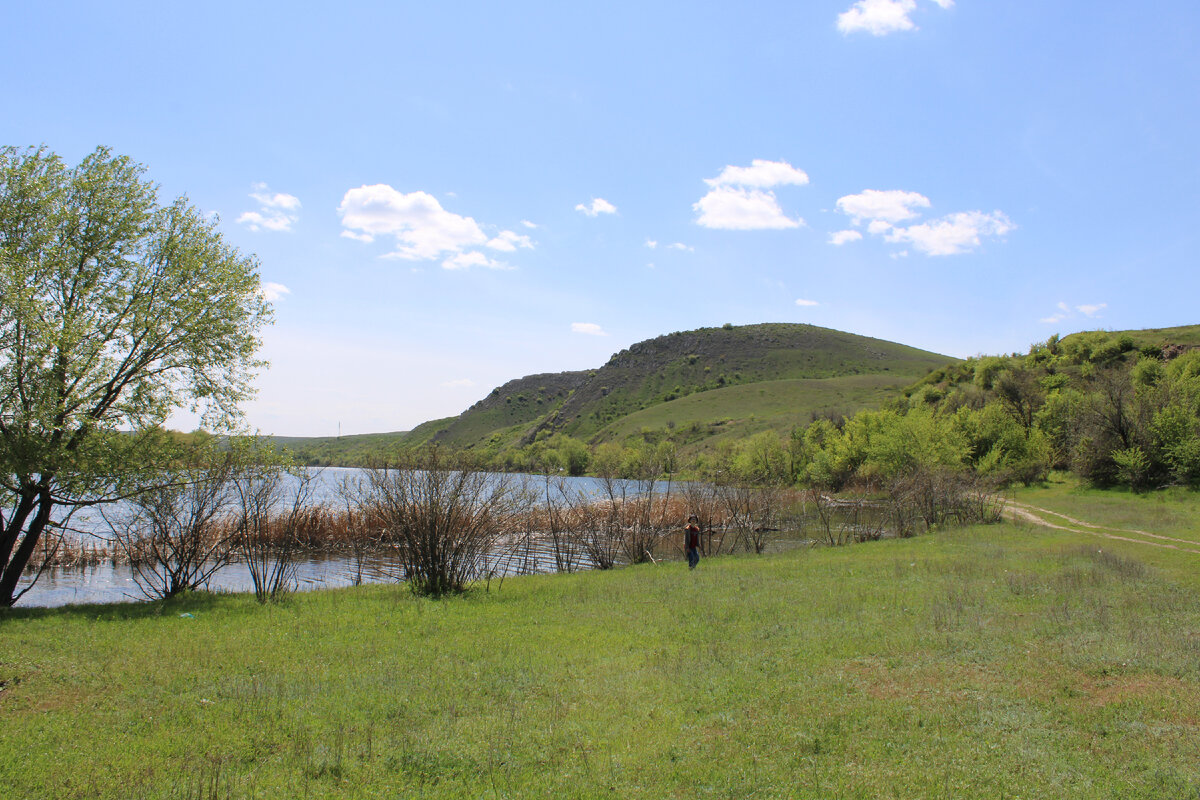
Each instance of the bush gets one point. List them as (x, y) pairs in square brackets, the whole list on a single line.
[(444, 516)]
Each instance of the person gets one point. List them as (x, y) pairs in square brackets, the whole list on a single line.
[(692, 541)]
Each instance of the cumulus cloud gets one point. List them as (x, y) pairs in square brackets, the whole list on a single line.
[(1091, 311), (473, 258), (598, 206), (1063, 312), (588, 328), (651, 244), (844, 237), (733, 209), (508, 241), (739, 199), (531, 225), (890, 206), (878, 17), (276, 211), (881, 17), (761, 174), (953, 234), (807, 303), (273, 291), (422, 229), (681, 246)]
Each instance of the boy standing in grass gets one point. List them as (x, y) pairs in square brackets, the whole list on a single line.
[(692, 541)]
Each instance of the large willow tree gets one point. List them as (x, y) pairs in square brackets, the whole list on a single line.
[(114, 311)]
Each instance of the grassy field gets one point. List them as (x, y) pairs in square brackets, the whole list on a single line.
[(1170, 515), (1006, 661), (767, 405)]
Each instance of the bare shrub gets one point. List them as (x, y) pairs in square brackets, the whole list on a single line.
[(174, 535), (595, 526), (443, 515), (937, 497), (267, 525)]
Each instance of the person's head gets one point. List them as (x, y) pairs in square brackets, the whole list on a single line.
[(693, 518)]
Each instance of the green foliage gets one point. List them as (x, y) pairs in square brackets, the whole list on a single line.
[(114, 311), (1133, 466)]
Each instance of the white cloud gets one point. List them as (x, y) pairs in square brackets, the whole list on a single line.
[(474, 258), (844, 237), (807, 303), (760, 174), (423, 230), (739, 199), (460, 383), (681, 246), (1091, 311), (881, 17), (878, 17), (953, 234), (276, 212), (890, 206), (530, 225), (287, 202), (509, 241), (1064, 311), (651, 244), (599, 206), (273, 291), (588, 328), (733, 209)]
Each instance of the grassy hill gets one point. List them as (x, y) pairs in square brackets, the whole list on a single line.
[(703, 387), (1183, 335), (704, 420), (678, 365), (720, 383)]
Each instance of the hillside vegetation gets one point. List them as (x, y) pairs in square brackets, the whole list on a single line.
[(718, 383)]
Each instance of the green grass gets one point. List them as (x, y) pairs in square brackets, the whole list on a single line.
[(1004, 661), (766, 405), (1173, 512), (1183, 334)]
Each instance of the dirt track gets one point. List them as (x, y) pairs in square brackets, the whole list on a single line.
[(1048, 519)]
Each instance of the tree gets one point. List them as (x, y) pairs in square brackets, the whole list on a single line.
[(114, 311)]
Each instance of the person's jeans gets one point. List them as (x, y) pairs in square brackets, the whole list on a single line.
[(693, 557)]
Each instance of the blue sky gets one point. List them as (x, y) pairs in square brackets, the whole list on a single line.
[(445, 196)]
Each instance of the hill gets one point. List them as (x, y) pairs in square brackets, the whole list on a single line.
[(698, 386), (718, 383)]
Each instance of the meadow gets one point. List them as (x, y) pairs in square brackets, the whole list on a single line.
[(997, 661)]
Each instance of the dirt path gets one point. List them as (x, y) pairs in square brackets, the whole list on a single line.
[(1041, 516)]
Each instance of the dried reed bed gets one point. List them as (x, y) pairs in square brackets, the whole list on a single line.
[(635, 528)]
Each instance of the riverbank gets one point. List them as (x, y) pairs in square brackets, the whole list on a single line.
[(991, 661)]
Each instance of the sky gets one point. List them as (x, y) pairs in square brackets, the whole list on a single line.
[(446, 196)]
